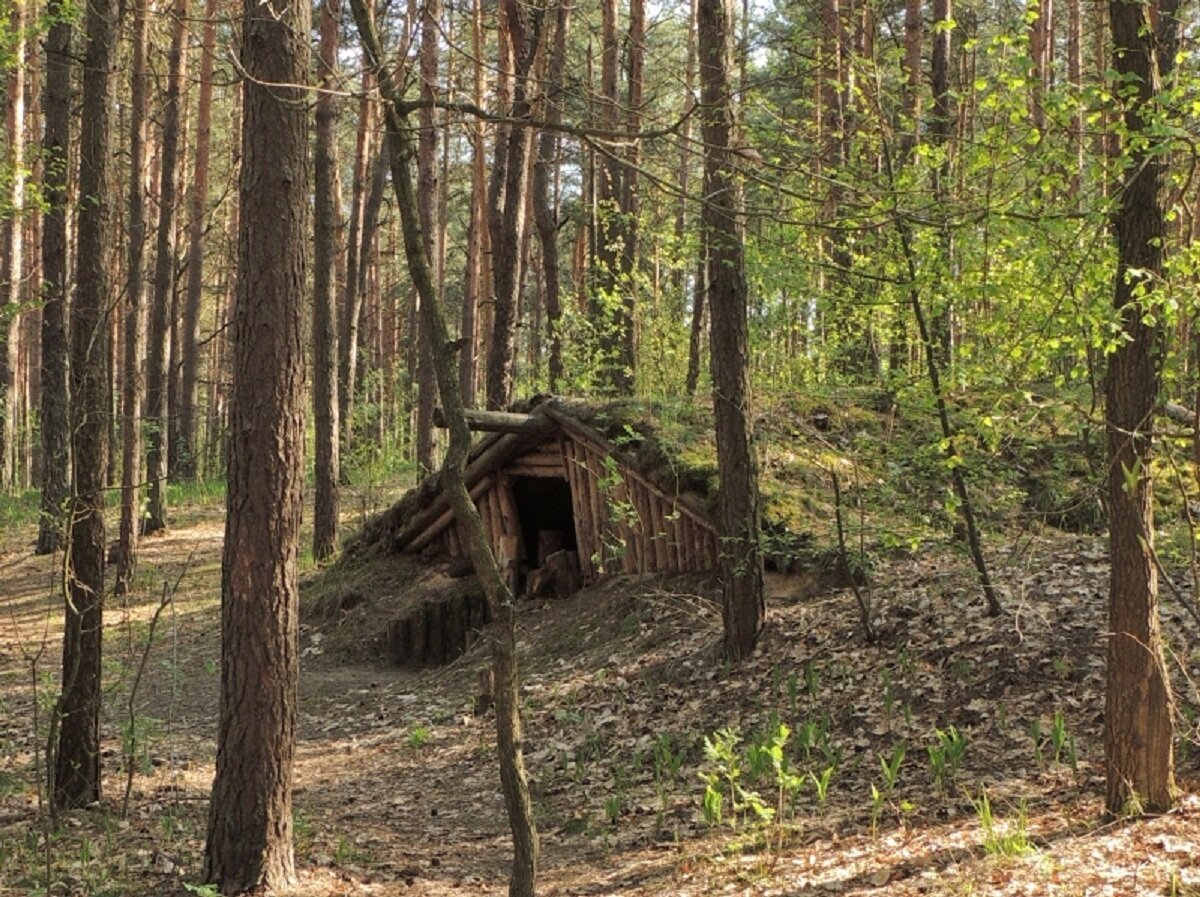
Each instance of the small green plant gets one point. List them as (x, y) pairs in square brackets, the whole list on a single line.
[(612, 809), (1002, 839), (202, 890), (1063, 742), (891, 767), (793, 690), (418, 737), (812, 680), (1035, 732), (668, 759), (722, 782), (876, 808), (821, 782), (807, 737), (346, 853), (946, 756)]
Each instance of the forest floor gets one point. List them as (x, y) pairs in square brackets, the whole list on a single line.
[(396, 783)]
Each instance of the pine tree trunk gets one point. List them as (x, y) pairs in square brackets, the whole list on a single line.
[(250, 819), (630, 203), (135, 289), (77, 760), (741, 559), (477, 230), (189, 393), (524, 31), (545, 213), (11, 386), (327, 210), (55, 431), (427, 194), (351, 294), (162, 300), (1138, 734)]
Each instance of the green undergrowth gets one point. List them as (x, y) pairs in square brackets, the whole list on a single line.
[(1031, 459)]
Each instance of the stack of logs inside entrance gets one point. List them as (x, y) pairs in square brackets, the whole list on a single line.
[(623, 522)]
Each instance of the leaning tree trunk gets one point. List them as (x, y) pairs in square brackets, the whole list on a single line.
[(327, 208), (250, 817), (55, 429), (157, 371), (131, 418), (77, 760), (1138, 736), (514, 781), (741, 558)]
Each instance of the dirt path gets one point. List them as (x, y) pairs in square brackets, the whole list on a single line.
[(396, 780)]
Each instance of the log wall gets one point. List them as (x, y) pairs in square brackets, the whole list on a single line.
[(623, 522)]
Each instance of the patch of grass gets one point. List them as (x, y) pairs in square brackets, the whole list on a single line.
[(19, 510)]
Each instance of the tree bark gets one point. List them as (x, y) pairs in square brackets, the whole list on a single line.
[(77, 760), (327, 226), (250, 819), (1138, 735), (135, 289), (524, 31), (741, 558), (186, 438), (427, 195), (514, 782), (11, 386), (56, 441), (351, 294), (545, 213), (477, 230), (161, 303)]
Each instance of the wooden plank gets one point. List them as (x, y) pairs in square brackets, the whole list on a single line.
[(510, 546), (599, 514), (673, 523), (580, 508), (685, 544), (660, 534)]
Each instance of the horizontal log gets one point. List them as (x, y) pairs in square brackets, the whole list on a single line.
[(499, 421)]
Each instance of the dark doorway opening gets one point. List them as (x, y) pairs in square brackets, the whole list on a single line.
[(547, 517)]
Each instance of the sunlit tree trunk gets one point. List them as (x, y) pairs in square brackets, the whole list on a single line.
[(11, 275), (327, 210), (351, 306), (135, 288), (545, 210), (162, 299), (249, 845), (189, 394), (477, 271), (741, 559), (427, 195), (524, 32), (1138, 733)]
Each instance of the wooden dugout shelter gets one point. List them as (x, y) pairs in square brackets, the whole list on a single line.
[(546, 482)]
